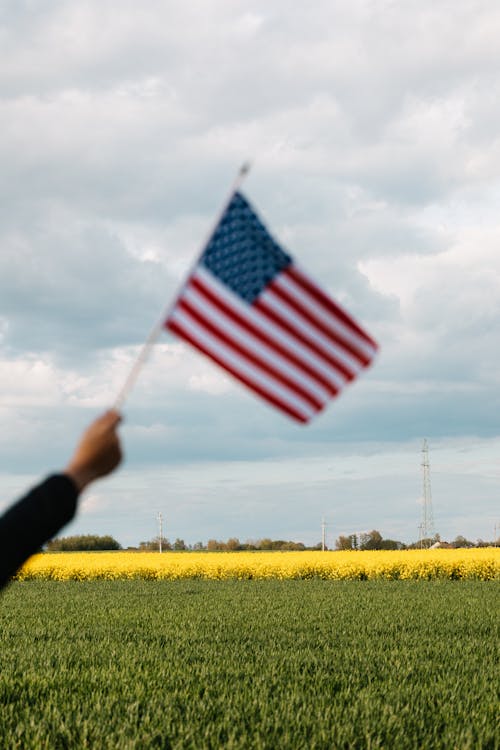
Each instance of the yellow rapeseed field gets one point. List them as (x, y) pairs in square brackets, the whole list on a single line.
[(479, 564)]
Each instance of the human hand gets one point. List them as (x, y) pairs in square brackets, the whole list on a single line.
[(98, 453)]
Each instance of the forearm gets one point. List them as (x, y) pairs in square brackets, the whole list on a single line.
[(33, 520)]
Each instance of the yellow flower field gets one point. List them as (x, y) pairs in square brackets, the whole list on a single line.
[(479, 564)]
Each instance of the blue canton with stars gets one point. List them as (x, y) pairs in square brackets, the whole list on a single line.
[(241, 253)]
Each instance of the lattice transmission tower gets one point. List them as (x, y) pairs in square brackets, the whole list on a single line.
[(427, 519)]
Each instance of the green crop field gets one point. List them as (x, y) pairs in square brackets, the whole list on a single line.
[(249, 664)]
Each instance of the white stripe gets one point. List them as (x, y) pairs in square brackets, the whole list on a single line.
[(273, 330), (282, 308), (250, 343), (328, 319), (225, 354), (365, 336)]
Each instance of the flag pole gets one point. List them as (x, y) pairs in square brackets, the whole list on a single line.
[(158, 327)]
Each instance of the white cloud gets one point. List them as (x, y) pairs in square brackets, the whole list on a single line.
[(33, 381), (92, 503)]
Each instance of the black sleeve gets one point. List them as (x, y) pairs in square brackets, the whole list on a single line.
[(33, 520)]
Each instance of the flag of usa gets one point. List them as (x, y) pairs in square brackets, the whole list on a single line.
[(250, 308)]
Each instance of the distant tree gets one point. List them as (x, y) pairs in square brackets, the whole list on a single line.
[(347, 542), (234, 545), (371, 541), (153, 545), (265, 544), (461, 541), (343, 542), (179, 545), (483, 543), (251, 544), (292, 547), (215, 545), (391, 544), (277, 544), (83, 543), (197, 546)]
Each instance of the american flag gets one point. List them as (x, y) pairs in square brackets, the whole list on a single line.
[(249, 307)]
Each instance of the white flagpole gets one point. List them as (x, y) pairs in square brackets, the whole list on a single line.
[(158, 327)]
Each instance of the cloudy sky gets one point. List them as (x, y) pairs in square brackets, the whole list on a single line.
[(373, 131)]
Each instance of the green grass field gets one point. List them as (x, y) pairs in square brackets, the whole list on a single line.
[(249, 664)]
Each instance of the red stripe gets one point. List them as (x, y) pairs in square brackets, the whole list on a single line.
[(305, 313), (277, 402), (250, 356), (328, 303), (288, 326), (260, 334)]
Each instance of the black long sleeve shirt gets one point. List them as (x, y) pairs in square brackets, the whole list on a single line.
[(33, 520)]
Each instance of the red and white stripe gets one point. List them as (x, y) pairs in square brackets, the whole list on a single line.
[(294, 346)]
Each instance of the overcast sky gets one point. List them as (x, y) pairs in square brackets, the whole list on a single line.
[(373, 132)]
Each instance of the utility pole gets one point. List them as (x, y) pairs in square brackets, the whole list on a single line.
[(160, 523), (323, 534), (427, 520)]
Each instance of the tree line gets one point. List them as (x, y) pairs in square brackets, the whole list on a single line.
[(87, 542), (95, 543), (373, 540), (218, 545), (370, 540)]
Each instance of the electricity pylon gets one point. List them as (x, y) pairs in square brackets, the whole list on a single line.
[(427, 520)]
